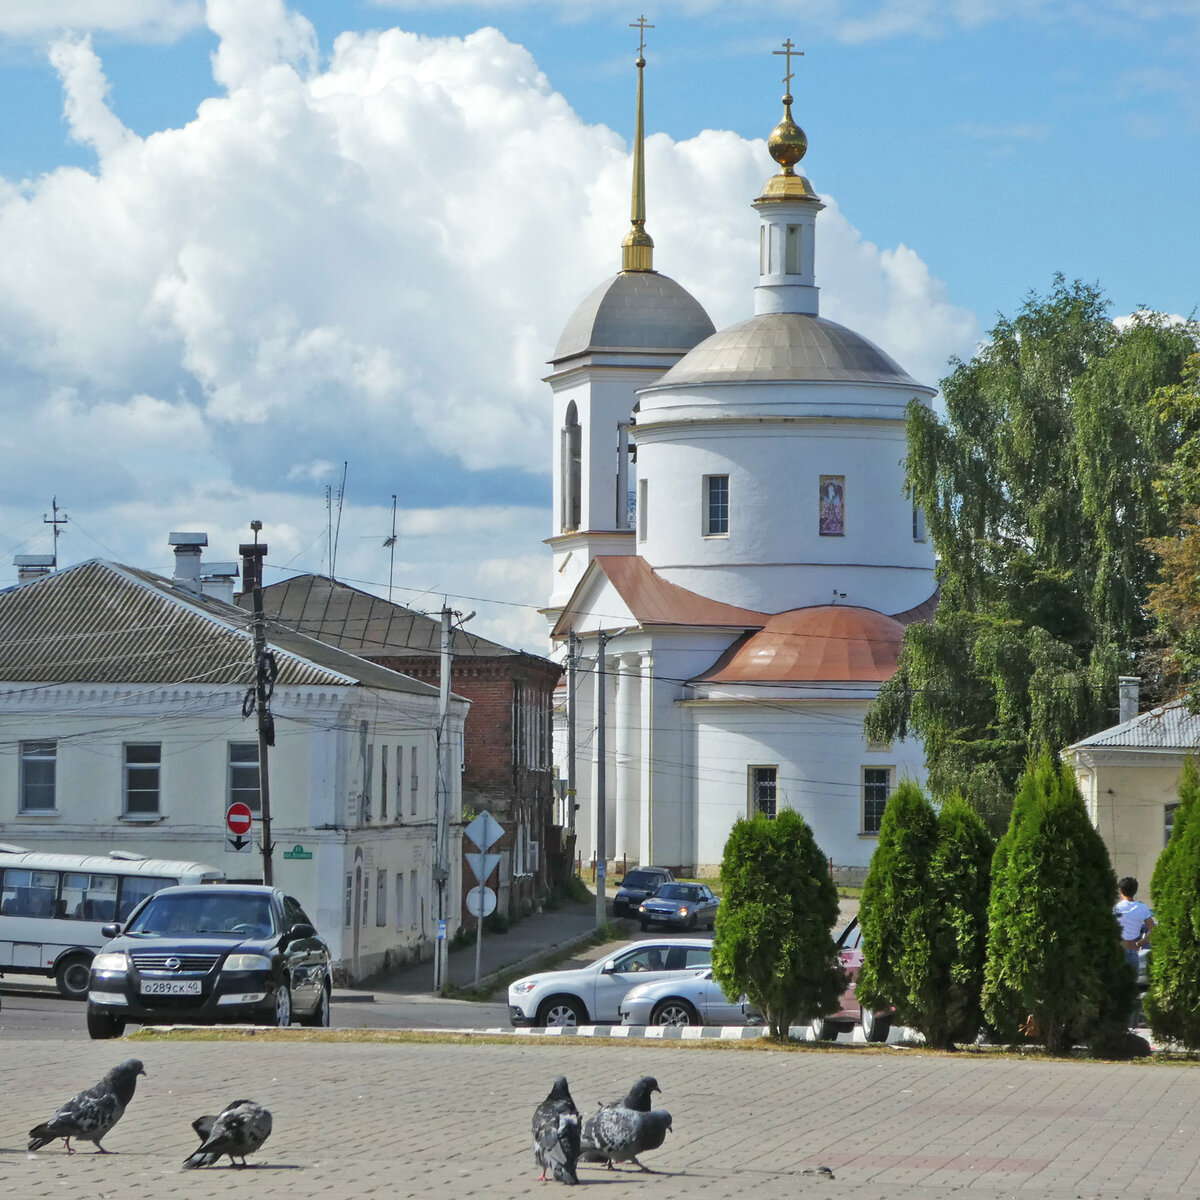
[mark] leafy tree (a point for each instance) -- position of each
(1173, 999)
(893, 910)
(924, 916)
(1044, 565)
(1054, 953)
(772, 929)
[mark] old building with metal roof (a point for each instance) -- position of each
(123, 706)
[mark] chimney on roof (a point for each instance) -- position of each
(1130, 688)
(216, 580)
(33, 566)
(188, 547)
(252, 554)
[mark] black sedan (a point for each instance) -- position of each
(208, 955)
(636, 886)
(684, 905)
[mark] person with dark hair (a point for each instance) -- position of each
(1135, 918)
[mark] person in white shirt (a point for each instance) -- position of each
(1135, 918)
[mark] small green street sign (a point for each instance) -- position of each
(297, 852)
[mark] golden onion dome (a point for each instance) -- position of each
(787, 143)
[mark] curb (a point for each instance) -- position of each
(339, 997)
(664, 1033)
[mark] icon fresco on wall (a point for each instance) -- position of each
(833, 505)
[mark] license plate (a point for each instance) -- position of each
(171, 987)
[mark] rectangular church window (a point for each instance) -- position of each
(791, 251)
(832, 506)
(716, 506)
(764, 787)
(877, 786)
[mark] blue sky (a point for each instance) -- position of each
(215, 291)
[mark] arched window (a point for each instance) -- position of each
(572, 470)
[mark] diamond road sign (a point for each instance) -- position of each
(484, 831)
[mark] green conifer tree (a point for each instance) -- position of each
(1173, 999)
(772, 930)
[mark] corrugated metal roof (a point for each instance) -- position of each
(823, 644)
(1171, 727)
(101, 622)
(364, 624)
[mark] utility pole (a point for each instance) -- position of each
(602, 640)
(441, 867)
(258, 698)
(54, 522)
(572, 659)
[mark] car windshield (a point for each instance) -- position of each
(641, 879)
(677, 891)
(241, 915)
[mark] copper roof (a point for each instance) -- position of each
(100, 622)
(364, 624)
(824, 644)
(653, 601)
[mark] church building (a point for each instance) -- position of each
(734, 555)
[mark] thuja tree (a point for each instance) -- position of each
(772, 937)
(924, 915)
(894, 909)
(1054, 961)
(1044, 563)
(1173, 1000)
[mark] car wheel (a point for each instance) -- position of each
(283, 1006)
(674, 1012)
(72, 975)
(823, 1030)
(876, 1026)
(692, 922)
(101, 1026)
(319, 1017)
(561, 1011)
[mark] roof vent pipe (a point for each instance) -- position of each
(33, 566)
(188, 547)
(1130, 688)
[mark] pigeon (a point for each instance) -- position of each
(92, 1113)
(239, 1129)
(823, 1172)
(619, 1134)
(638, 1097)
(556, 1133)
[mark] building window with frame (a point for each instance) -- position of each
(143, 767)
(716, 506)
(348, 910)
(401, 915)
(572, 470)
(792, 252)
(39, 763)
(918, 523)
(877, 787)
(1168, 822)
(414, 782)
(381, 897)
(764, 790)
(243, 778)
(383, 782)
(643, 514)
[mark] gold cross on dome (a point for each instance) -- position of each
(788, 50)
(641, 25)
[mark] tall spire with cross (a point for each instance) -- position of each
(637, 250)
(788, 143)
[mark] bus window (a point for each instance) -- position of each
(135, 888)
(89, 897)
(28, 893)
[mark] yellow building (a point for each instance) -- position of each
(1129, 775)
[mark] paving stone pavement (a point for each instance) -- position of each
(397, 1120)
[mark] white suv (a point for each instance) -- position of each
(593, 994)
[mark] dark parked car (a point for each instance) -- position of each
(682, 905)
(876, 1025)
(636, 886)
(207, 955)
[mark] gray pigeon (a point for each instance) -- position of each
(638, 1096)
(556, 1133)
(240, 1128)
(91, 1114)
(619, 1134)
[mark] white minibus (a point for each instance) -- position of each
(53, 906)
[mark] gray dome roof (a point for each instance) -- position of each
(781, 347)
(635, 310)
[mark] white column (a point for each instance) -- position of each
(646, 757)
(626, 740)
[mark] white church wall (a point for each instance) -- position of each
(775, 556)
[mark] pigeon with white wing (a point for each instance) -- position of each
(240, 1128)
(556, 1133)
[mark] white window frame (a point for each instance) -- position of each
(890, 783)
(381, 896)
(39, 751)
(716, 509)
(127, 767)
(754, 784)
(241, 791)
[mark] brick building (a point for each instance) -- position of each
(506, 753)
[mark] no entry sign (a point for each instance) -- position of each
(239, 818)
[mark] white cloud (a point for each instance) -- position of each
(367, 261)
(154, 19)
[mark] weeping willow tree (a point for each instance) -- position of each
(1039, 492)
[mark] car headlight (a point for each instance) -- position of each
(114, 963)
(247, 962)
(683, 912)
(641, 908)
(523, 985)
